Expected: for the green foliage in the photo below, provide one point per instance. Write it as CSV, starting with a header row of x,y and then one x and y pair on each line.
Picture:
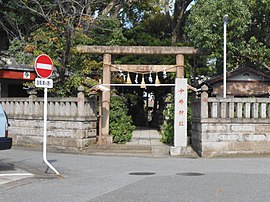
x,y
48,39
57,35
121,127
167,129
247,41
151,31
108,32
167,132
17,50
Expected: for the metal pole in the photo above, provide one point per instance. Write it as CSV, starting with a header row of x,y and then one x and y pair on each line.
x,y
224,57
45,134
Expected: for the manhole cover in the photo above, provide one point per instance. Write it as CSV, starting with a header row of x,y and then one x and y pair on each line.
x,y
190,174
142,173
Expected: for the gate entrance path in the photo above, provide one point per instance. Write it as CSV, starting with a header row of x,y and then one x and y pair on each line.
x,y
145,136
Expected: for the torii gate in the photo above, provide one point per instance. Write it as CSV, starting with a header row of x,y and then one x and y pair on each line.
x,y
108,51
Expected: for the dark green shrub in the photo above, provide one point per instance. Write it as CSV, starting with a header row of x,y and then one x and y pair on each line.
x,y
121,127
167,131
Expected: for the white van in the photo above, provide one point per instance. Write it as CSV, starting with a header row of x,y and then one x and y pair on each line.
x,y
5,141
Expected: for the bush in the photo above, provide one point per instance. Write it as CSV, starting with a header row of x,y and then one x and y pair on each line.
x,y
121,126
167,131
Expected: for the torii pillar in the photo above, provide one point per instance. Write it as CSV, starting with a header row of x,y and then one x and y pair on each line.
x,y
180,66
105,138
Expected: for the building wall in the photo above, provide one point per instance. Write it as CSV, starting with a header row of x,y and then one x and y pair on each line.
x,y
242,88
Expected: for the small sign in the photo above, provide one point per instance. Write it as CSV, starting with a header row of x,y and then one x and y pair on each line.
x,y
26,75
44,83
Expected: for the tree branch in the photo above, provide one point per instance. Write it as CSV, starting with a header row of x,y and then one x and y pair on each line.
x,y
266,66
109,7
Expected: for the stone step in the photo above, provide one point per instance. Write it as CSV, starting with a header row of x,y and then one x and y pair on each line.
x,y
119,149
142,150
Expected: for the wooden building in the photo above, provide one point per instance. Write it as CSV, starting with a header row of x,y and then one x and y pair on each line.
x,y
242,82
12,79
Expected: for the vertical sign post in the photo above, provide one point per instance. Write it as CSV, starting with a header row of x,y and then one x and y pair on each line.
x,y
180,113
44,69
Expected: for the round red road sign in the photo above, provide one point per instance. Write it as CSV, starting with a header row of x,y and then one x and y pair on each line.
x,y
44,66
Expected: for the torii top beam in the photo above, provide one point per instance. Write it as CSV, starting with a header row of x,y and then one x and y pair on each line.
x,y
138,50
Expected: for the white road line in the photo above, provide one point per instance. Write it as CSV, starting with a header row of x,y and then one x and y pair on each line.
x,y
16,174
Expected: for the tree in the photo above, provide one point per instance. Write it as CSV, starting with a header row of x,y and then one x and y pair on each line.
x,y
247,44
177,21
62,26
260,31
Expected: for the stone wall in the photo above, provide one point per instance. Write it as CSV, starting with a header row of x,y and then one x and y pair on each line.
x,y
71,125
230,126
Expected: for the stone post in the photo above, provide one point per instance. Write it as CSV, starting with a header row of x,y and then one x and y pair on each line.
x,y
32,96
204,102
106,138
81,99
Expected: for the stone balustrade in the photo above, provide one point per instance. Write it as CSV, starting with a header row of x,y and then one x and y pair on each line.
x,y
238,108
71,121
57,107
231,125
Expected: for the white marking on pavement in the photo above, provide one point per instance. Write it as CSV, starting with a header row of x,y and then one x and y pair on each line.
x,y
16,174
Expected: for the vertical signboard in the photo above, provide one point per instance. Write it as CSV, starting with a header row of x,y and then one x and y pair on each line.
x,y
180,113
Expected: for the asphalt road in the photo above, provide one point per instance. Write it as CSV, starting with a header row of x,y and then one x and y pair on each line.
x,y
118,178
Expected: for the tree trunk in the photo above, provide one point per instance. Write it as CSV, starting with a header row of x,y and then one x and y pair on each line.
x,y
66,54
180,7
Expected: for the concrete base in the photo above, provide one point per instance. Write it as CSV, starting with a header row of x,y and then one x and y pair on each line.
x,y
182,151
160,150
105,139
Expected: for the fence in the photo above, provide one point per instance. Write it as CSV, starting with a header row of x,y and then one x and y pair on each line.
x,y
71,121
230,125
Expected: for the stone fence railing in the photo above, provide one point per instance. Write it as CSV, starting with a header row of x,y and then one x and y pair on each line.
x,y
71,121
230,125
57,107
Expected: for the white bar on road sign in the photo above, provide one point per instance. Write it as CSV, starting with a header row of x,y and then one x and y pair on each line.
x,y
43,83
44,66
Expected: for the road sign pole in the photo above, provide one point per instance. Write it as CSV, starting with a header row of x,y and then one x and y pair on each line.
x,y
44,69
45,134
